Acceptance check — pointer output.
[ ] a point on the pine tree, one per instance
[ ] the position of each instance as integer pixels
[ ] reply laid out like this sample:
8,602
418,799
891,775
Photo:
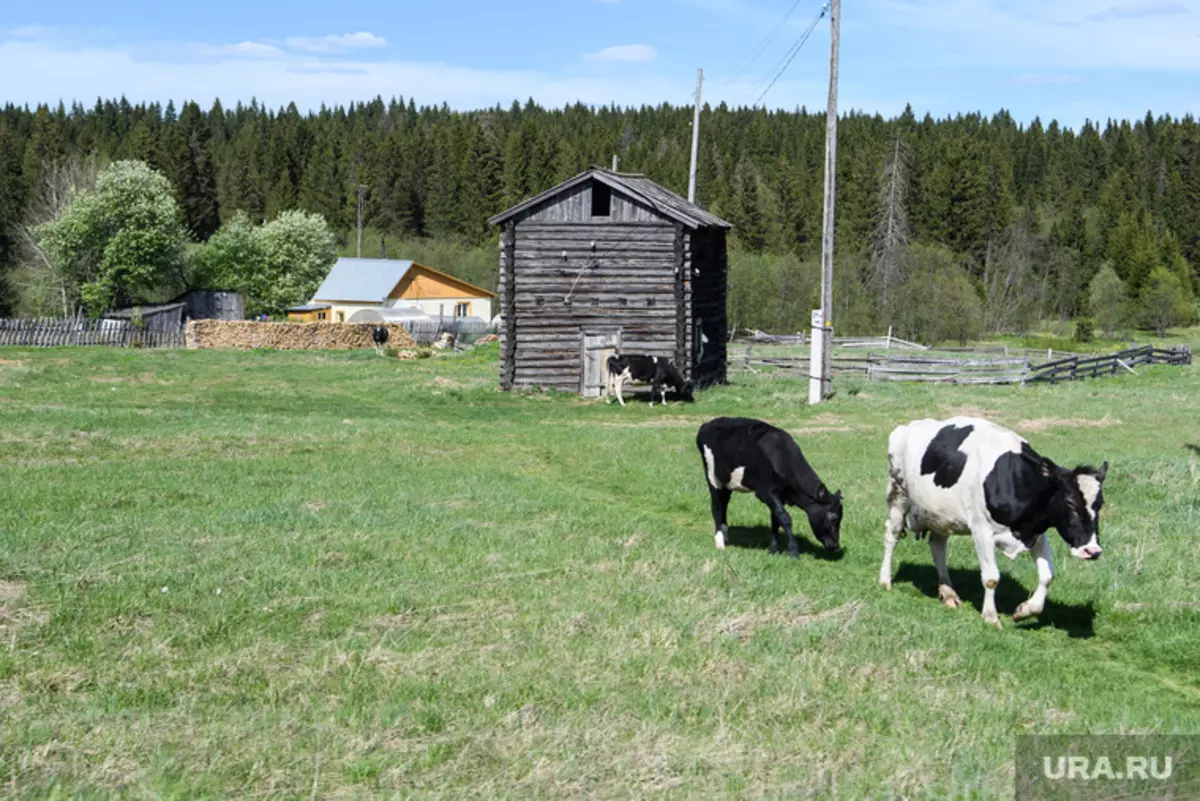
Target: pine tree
749,221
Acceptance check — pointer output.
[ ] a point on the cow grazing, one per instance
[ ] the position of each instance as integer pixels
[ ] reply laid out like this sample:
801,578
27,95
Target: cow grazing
656,371
380,337
966,475
742,455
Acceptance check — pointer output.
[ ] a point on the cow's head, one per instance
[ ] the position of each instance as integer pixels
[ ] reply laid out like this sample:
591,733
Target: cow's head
825,517
1082,495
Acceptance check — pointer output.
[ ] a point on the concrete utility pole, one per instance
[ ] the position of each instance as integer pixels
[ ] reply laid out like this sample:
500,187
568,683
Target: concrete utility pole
822,319
358,251
695,139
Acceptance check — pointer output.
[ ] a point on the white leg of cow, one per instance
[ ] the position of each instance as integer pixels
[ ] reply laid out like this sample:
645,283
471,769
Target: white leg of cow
985,548
619,382
1045,567
937,547
893,530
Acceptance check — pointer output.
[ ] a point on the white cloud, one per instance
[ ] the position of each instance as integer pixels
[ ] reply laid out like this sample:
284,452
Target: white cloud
1138,10
246,49
52,71
1043,79
29,32
338,43
1033,34
637,52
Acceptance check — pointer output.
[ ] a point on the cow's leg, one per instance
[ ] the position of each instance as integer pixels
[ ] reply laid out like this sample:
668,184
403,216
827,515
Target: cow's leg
720,503
619,382
937,547
1045,567
780,514
893,530
985,548
653,391
774,546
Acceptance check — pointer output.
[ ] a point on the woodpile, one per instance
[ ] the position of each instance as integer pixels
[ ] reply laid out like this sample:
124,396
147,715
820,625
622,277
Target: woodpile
244,335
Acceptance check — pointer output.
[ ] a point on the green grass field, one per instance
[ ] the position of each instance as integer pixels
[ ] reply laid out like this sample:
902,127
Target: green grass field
269,574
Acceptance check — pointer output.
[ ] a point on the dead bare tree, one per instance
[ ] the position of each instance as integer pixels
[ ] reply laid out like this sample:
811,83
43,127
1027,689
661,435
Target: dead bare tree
43,288
891,232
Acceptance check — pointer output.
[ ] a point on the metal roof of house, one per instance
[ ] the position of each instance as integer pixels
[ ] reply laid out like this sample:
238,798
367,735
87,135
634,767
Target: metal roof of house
639,187
307,307
364,280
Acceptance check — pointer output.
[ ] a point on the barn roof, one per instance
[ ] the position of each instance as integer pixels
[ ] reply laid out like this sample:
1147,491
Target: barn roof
639,187
365,280
143,311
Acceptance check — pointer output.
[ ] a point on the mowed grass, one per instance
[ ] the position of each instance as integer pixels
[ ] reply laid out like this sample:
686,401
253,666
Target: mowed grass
332,575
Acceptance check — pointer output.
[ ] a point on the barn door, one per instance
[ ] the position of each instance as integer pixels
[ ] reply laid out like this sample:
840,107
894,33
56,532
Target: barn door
595,349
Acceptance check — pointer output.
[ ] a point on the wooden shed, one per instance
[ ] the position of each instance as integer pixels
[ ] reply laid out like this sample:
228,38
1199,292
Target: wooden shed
609,262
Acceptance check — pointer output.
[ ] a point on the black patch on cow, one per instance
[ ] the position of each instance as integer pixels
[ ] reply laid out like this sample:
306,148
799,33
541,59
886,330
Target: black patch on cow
943,457
1018,493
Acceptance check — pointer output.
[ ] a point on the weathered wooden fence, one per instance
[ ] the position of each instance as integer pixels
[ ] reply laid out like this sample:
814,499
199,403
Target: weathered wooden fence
1076,367
49,332
988,365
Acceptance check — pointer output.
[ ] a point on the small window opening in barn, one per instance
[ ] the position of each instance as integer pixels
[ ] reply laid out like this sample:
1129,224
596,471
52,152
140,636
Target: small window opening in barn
650,302
601,199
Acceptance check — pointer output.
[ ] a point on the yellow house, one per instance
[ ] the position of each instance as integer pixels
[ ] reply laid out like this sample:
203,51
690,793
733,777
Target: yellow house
356,284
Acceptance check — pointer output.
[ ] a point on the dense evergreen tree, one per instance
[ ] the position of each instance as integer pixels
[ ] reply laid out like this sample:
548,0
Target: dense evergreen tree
1028,212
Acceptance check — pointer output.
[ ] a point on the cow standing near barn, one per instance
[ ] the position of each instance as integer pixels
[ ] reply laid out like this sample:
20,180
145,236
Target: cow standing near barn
743,455
656,371
966,475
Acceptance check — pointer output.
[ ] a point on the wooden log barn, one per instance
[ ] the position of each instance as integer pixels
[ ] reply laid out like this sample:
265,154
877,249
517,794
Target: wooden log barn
609,262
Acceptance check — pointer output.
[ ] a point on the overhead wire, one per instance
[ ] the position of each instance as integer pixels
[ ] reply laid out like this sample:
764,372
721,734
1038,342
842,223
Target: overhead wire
792,52
761,47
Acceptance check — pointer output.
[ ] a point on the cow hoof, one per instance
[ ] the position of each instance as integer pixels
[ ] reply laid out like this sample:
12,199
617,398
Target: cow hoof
886,584
949,597
993,620
793,554
1025,611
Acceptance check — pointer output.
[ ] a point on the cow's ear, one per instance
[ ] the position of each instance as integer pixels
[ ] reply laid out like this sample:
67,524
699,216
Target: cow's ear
1103,471
1046,468
822,494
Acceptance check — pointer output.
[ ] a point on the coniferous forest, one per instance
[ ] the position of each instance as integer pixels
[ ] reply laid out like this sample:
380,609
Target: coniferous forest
946,228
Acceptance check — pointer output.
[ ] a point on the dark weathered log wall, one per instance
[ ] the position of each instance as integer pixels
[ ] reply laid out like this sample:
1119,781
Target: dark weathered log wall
575,205
612,276
707,267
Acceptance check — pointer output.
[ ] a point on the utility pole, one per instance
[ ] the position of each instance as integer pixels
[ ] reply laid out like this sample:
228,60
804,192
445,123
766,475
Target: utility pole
822,319
358,252
695,139
616,163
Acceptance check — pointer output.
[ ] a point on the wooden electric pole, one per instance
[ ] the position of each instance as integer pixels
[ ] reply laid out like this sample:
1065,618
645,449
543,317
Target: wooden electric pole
822,340
695,139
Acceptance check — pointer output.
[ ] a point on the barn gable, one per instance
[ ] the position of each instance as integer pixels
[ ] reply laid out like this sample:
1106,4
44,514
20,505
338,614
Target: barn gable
609,261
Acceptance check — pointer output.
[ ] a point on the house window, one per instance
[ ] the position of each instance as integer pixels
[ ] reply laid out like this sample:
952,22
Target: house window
601,199
462,309
341,317
320,315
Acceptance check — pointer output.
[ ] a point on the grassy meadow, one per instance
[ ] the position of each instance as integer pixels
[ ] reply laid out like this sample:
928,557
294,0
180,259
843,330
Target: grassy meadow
286,575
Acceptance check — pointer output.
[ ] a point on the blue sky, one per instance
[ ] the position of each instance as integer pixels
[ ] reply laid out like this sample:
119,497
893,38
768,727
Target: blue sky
1063,59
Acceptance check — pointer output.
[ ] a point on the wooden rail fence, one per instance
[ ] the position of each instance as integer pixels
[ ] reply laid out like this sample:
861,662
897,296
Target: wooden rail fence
1077,367
967,368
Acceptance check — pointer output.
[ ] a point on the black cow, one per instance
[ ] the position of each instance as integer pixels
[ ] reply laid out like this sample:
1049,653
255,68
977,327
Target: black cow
653,370
380,337
742,455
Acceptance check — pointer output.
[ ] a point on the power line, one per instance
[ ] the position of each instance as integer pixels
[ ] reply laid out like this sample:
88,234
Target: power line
761,47
793,52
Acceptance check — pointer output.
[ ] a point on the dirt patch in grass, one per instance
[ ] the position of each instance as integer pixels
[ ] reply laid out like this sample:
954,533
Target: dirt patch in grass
789,614
14,362
11,590
966,410
1042,423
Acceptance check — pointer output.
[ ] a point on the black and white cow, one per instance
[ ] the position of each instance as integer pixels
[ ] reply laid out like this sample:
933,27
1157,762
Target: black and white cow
743,455
379,335
656,371
966,475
